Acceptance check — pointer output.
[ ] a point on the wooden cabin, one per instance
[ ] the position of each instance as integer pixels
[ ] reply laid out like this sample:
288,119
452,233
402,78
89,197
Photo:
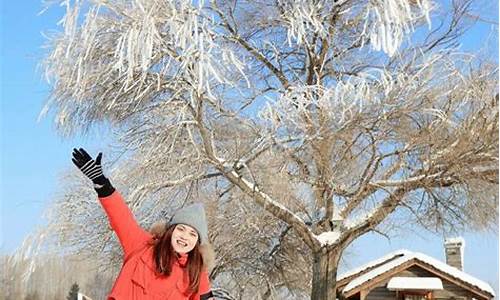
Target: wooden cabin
406,275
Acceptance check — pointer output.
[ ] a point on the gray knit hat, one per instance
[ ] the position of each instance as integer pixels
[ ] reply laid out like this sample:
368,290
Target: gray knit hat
194,216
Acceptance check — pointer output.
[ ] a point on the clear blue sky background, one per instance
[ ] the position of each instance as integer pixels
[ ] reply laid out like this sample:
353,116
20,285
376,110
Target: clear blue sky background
33,155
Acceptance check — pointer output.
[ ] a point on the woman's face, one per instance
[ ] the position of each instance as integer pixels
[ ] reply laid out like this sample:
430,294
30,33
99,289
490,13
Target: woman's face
184,238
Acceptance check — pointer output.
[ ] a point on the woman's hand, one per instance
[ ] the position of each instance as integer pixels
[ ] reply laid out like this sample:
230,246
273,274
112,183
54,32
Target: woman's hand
93,170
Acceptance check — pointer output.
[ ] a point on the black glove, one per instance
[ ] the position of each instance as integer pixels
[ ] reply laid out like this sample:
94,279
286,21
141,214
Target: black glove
93,170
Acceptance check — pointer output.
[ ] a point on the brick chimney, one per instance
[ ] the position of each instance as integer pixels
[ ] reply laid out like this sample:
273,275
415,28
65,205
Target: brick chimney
454,251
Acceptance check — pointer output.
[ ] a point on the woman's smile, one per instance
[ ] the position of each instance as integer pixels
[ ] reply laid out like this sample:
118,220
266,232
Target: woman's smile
184,238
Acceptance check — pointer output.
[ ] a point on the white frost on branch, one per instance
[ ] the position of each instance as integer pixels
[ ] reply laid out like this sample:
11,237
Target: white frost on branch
156,45
303,17
186,34
296,107
328,238
389,21
299,102
356,221
373,91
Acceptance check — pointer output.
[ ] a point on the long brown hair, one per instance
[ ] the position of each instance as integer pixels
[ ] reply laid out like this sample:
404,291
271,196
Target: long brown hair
164,256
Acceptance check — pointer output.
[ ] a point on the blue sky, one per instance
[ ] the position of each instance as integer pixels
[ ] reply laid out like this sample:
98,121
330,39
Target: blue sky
33,156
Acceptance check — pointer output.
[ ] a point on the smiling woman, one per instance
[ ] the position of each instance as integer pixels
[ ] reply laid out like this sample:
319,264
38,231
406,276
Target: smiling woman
184,238
171,261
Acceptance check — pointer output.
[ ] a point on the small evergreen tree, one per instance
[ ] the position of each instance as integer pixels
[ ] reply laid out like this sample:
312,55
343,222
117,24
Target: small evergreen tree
33,296
73,292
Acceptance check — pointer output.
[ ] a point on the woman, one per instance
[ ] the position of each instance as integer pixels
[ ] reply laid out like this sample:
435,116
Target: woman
170,262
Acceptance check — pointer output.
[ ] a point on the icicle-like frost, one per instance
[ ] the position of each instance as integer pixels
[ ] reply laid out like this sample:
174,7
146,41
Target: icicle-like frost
303,17
69,22
296,107
174,39
374,91
388,22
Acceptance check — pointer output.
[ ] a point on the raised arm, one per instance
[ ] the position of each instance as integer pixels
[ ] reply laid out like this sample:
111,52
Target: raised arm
130,234
204,290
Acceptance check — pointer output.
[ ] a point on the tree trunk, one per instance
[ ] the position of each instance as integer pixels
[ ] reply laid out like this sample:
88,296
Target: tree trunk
324,275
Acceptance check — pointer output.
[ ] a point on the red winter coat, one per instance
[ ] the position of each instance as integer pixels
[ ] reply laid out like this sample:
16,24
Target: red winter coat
137,279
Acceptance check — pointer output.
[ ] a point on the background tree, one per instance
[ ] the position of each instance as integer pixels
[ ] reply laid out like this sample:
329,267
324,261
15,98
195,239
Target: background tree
73,292
336,117
64,270
32,296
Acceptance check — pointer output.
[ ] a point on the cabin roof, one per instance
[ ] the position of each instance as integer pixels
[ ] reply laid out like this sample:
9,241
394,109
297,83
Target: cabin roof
394,259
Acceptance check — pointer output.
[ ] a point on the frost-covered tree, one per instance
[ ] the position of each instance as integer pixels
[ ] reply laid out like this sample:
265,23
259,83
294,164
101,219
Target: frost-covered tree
336,117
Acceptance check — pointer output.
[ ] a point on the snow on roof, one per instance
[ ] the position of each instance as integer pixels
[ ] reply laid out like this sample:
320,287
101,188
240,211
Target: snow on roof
456,273
415,283
376,272
372,263
408,255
